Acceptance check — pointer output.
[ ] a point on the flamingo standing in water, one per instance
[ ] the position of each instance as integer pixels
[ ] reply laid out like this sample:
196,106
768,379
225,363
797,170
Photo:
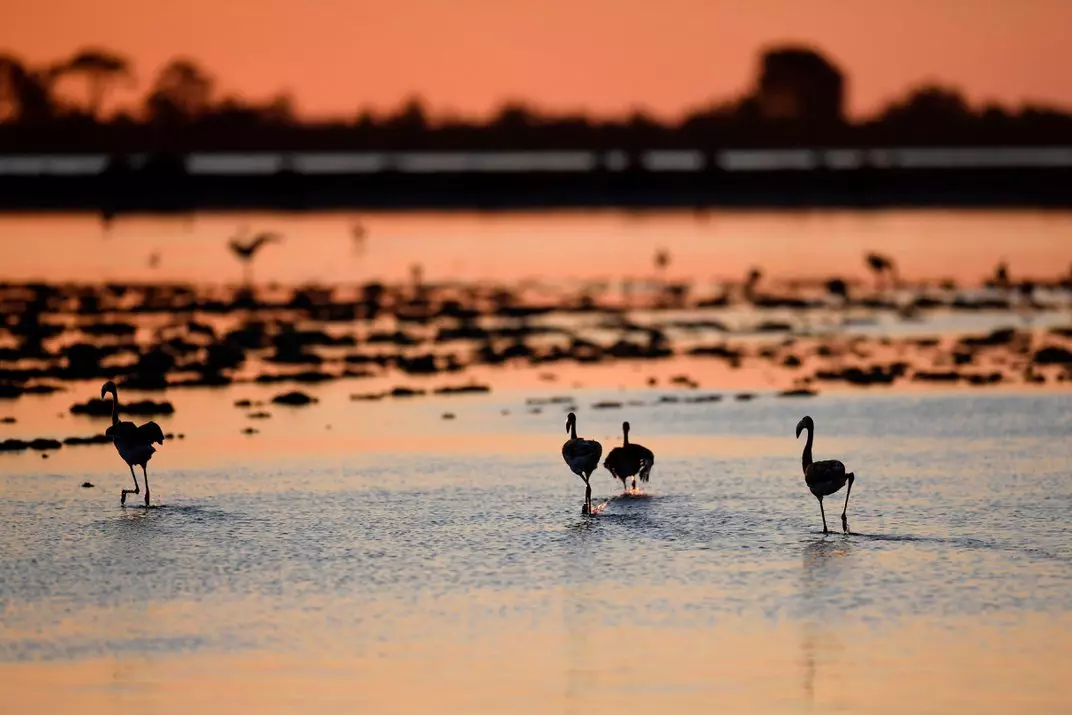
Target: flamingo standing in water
582,456
826,477
134,443
629,460
246,251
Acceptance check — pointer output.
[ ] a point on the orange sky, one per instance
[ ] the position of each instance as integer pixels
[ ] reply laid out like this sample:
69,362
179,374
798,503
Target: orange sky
604,56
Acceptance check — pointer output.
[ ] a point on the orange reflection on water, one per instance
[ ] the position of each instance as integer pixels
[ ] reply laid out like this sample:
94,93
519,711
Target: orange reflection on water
965,245
1000,664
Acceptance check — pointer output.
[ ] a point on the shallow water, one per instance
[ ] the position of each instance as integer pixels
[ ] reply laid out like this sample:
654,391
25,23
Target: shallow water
399,563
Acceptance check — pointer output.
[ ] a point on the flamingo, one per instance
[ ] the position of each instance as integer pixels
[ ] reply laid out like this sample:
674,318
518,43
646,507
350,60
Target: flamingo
883,268
629,460
582,456
134,443
245,252
826,477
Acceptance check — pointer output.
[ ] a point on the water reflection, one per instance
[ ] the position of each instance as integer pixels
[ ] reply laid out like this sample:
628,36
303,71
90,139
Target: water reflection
822,561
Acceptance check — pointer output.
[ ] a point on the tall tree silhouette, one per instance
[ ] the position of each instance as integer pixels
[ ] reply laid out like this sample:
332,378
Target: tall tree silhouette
182,91
25,95
102,70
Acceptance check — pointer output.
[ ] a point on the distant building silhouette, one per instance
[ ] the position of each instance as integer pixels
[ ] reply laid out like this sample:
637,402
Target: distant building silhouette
797,83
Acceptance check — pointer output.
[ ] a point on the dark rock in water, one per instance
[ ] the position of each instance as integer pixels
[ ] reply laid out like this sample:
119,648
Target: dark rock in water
1001,336
406,392
448,415
700,399
367,397
472,388
181,435
963,358
875,375
721,351
243,403
13,445
94,439
792,361
984,379
259,415
293,398
1053,356
559,400
744,396
44,456
103,408
109,329
308,377
669,399
535,410
250,430
608,405
771,326
83,360
9,391
684,381
351,372
7,420
41,443
798,392
395,338
87,485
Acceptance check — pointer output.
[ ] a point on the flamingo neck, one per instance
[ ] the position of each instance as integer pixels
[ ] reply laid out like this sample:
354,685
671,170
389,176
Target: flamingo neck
115,407
573,430
805,459
625,440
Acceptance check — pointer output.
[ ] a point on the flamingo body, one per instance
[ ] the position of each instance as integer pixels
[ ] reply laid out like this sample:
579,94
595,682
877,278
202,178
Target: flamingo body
582,457
629,460
824,477
133,442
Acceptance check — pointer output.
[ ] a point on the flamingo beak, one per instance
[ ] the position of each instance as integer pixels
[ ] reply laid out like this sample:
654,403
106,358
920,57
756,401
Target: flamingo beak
800,428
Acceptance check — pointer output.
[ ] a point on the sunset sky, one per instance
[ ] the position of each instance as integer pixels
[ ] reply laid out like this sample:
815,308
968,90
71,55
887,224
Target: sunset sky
602,56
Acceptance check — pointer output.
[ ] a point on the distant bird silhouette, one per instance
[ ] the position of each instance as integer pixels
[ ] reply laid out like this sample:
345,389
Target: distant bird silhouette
1001,276
358,234
246,251
839,288
134,443
662,259
629,460
582,456
826,477
884,269
749,290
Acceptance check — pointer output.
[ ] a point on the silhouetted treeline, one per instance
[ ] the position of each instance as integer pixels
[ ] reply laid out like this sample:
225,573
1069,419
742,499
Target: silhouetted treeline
798,99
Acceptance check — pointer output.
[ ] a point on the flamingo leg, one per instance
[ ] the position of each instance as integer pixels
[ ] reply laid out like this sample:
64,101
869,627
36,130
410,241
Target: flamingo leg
823,512
634,483
587,509
844,518
135,490
146,473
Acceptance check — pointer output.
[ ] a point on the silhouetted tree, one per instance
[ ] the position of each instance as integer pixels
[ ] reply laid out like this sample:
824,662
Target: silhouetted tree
412,116
182,92
25,96
102,69
930,105
800,84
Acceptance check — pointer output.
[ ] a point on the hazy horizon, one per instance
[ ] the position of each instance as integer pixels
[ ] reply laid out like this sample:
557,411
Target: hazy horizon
593,56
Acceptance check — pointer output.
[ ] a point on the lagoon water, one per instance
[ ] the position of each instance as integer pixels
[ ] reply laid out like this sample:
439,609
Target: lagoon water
374,557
